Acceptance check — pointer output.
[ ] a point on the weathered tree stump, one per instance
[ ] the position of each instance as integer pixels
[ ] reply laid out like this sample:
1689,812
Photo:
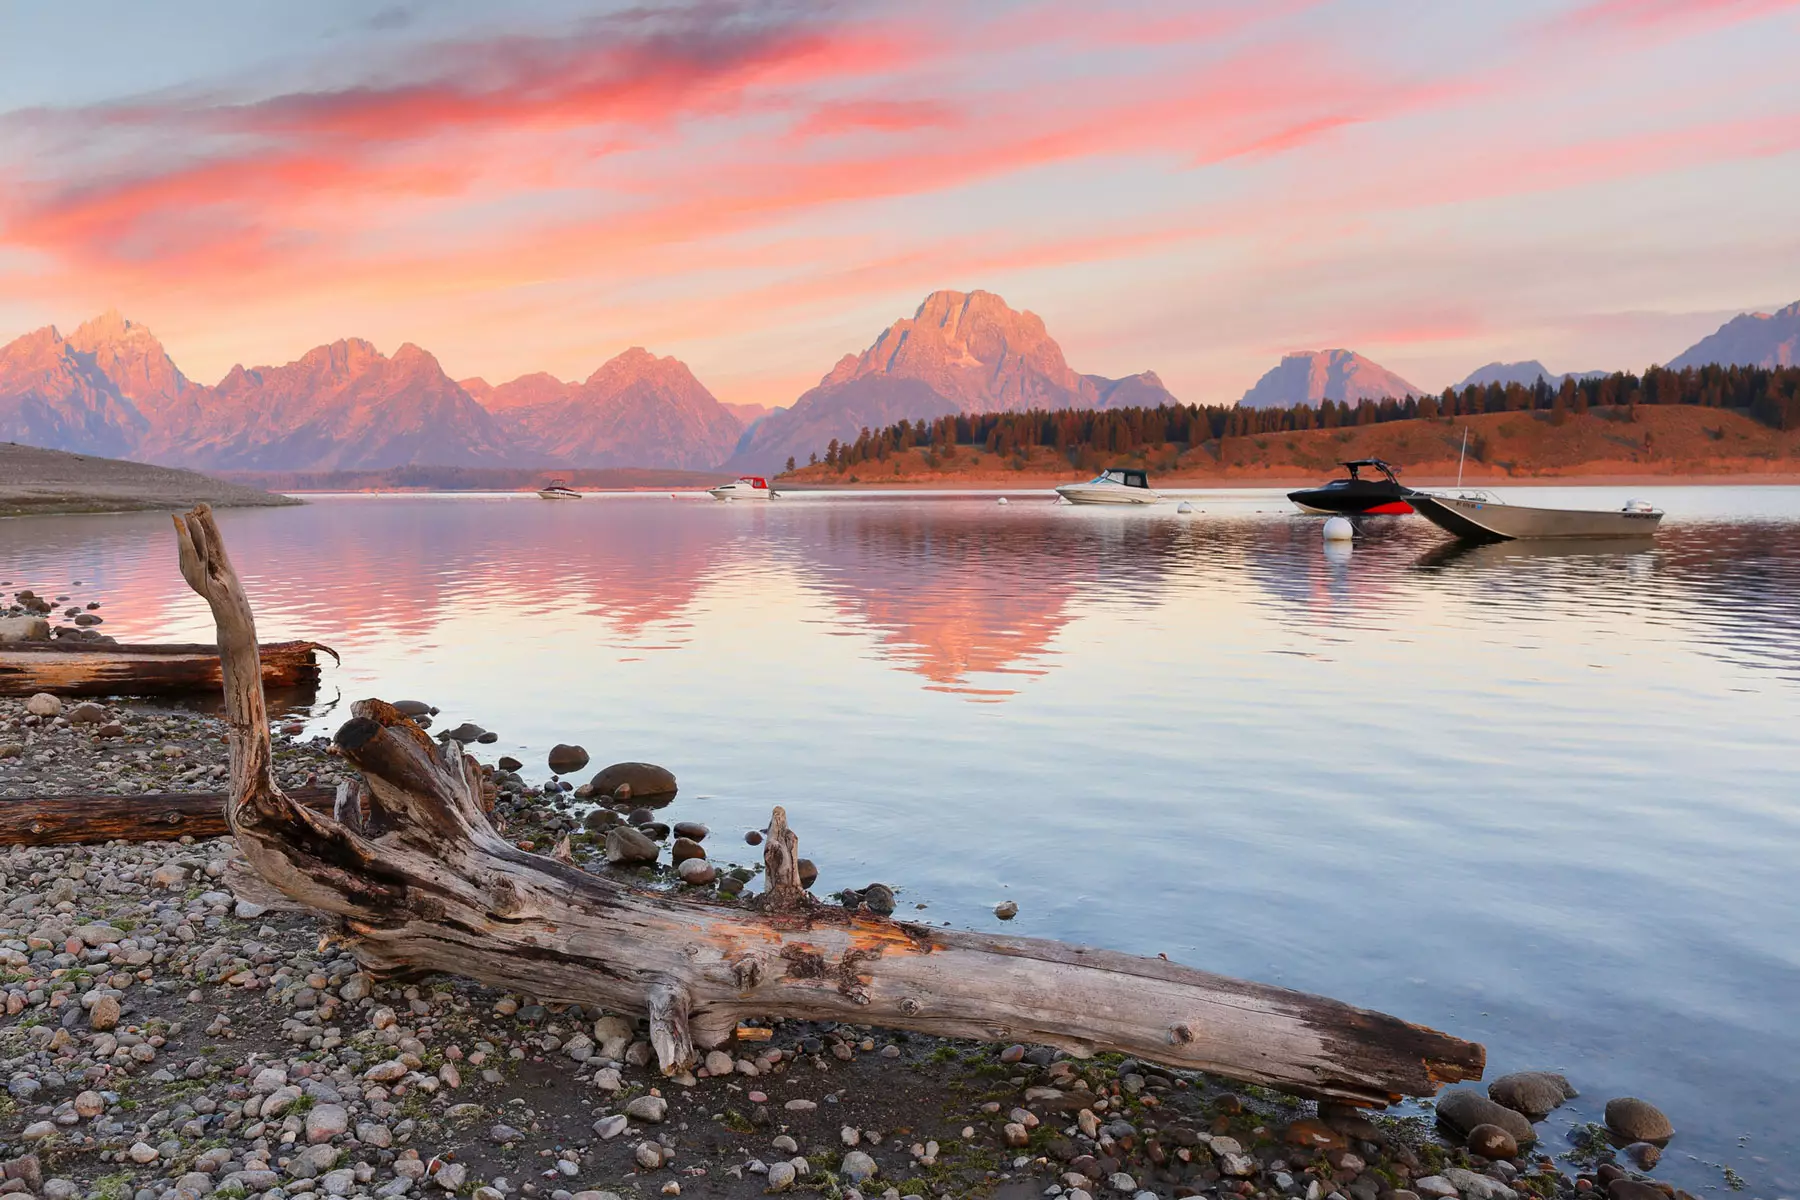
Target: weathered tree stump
425,883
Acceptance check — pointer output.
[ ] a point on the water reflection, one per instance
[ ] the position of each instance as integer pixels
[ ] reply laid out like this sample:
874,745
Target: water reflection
1541,796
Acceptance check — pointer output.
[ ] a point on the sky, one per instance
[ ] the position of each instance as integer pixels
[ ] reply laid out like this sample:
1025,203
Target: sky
759,187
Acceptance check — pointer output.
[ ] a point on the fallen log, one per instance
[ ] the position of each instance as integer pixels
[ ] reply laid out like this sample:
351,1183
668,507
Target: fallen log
85,820
422,882
71,668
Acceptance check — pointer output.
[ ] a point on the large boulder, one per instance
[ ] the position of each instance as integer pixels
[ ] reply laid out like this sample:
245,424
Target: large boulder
1535,1093
24,629
1465,1110
43,705
1637,1120
646,781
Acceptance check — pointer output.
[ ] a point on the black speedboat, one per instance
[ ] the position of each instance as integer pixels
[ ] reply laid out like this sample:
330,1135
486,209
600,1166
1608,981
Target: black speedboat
1357,495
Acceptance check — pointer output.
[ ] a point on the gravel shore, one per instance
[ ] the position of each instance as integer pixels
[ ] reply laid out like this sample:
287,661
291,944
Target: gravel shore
164,1039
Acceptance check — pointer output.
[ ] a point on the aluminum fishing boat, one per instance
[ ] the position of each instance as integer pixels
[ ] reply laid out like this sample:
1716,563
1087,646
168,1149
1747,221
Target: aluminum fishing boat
1482,517
1115,485
1356,495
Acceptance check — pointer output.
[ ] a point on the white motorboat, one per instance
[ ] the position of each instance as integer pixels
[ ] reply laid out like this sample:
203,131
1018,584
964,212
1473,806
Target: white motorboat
744,487
1115,485
558,489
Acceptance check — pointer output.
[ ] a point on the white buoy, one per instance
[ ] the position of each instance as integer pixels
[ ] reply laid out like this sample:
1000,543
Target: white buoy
1339,529
1003,499
1185,507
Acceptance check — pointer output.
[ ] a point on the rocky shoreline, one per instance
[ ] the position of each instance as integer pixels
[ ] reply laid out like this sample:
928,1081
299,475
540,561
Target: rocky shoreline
165,1039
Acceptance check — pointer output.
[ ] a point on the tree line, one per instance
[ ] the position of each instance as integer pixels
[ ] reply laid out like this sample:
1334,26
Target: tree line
1771,396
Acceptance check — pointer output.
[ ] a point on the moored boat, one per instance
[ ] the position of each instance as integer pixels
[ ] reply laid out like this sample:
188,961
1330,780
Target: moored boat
1356,494
558,489
744,487
1480,517
1115,485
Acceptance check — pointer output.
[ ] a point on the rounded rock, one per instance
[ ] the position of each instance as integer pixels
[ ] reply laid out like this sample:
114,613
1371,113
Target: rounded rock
781,1176
645,780
1462,1109
627,847
1006,910
104,1014
1536,1094
650,1109
1491,1141
696,872
878,898
857,1167
694,831
43,705
686,848
1638,1120
565,758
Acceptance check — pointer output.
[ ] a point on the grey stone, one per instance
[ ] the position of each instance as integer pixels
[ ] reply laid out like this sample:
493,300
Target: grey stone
326,1121
1478,1187
1464,1108
857,1166
1536,1094
781,1176
611,1127
627,847
647,1108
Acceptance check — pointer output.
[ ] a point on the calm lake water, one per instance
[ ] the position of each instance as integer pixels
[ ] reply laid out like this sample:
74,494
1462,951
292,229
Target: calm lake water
1545,799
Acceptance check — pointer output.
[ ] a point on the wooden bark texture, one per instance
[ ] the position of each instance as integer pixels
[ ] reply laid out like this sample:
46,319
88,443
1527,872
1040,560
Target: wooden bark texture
90,669
84,820
421,882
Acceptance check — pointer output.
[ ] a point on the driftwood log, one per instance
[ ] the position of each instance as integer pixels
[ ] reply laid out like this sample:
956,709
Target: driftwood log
71,668
424,883
82,820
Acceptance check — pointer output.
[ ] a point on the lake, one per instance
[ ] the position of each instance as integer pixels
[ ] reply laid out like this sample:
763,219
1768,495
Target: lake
1543,798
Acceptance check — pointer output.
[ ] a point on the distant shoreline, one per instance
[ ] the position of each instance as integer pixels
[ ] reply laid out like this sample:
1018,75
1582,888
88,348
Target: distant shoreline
38,482
1016,481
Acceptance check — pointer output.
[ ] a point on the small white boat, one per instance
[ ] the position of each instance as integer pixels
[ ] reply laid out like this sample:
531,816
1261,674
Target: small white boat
744,487
558,489
1115,485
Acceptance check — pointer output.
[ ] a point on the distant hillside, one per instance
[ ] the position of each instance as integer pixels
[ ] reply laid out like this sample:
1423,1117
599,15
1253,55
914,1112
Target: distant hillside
960,352
1314,376
1675,442
34,480
1718,420
1749,340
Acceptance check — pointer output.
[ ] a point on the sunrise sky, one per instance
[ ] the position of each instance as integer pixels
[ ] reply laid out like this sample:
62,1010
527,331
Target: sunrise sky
759,188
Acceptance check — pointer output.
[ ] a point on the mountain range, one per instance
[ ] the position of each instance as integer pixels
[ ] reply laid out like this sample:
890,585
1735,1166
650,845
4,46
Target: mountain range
110,388
1525,374
961,352
1312,376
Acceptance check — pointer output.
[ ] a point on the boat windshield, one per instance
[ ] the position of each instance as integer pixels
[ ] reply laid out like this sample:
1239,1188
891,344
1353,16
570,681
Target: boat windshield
1125,478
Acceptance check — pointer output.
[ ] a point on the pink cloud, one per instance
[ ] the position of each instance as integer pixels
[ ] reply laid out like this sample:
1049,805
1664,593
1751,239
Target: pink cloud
1663,16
